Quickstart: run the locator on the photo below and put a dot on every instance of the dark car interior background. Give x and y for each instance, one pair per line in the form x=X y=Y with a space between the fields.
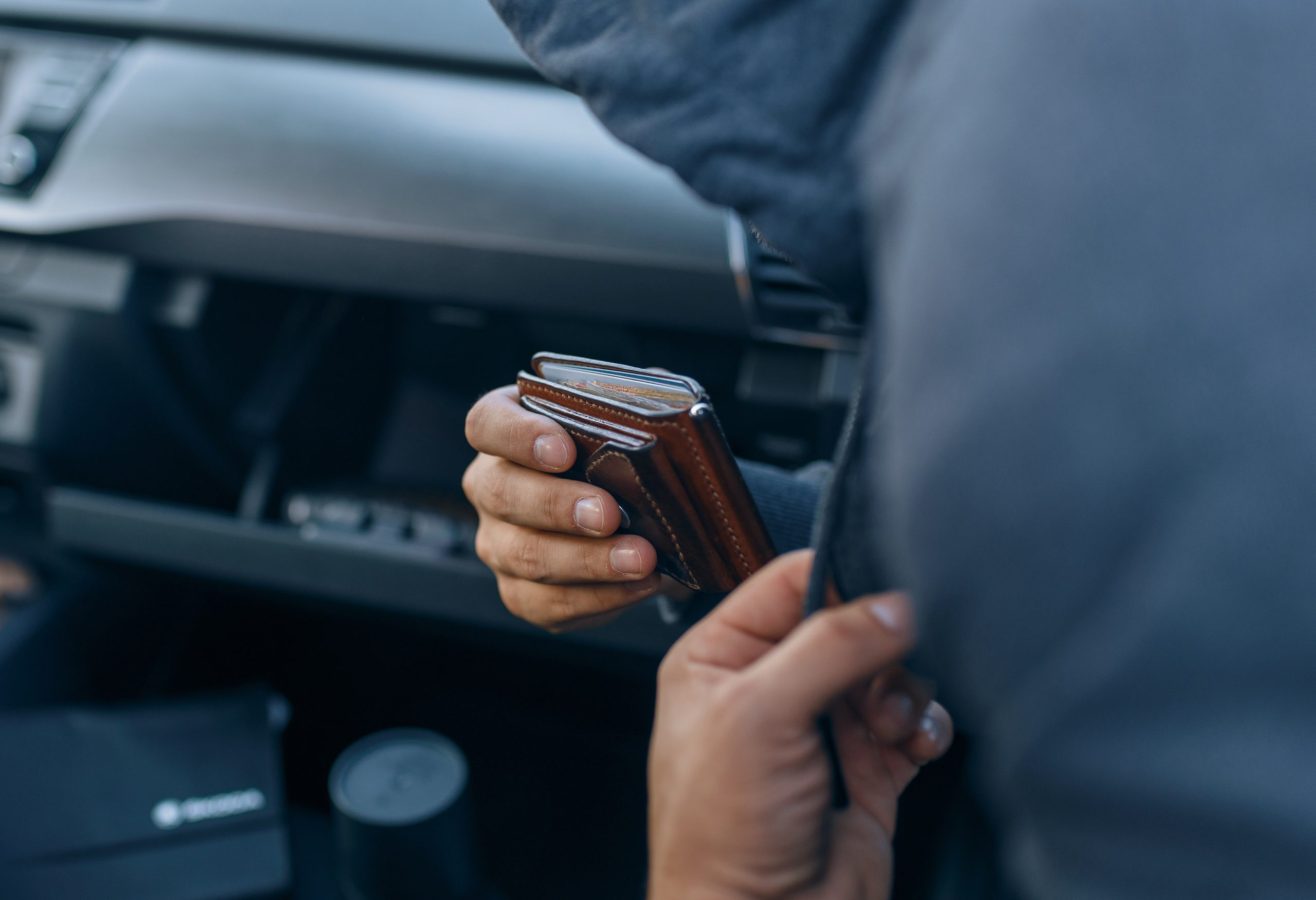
x=256 y=261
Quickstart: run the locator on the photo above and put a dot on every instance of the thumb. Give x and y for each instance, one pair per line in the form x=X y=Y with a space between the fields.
x=833 y=651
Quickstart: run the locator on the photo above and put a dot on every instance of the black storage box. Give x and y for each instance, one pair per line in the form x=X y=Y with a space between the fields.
x=169 y=801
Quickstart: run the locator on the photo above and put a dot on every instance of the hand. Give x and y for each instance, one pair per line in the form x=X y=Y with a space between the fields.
x=548 y=540
x=739 y=787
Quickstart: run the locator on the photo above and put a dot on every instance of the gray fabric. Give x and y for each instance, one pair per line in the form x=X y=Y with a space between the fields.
x=729 y=116
x=1091 y=227
x=786 y=500
x=1095 y=224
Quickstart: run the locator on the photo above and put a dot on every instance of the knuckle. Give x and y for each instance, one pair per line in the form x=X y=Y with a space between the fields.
x=555 y=507
x=529 y=602
x=530 y=611
x=513 y=432
x=561 y=609
x=595 y=565
x=496 y=495
x=475 y=420
x=471 y=480
x=539 y=607
x=508 y=593
x=529 y=554
x=516 y=598
x=484 y=550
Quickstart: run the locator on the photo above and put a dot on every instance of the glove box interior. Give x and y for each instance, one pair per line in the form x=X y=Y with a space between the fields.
x=313 y=444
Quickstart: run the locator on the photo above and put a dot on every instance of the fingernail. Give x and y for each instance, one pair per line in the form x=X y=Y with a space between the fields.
x=588 y=514
x=551 y=451
x=931 y=728
x=886 y=612
x=626 y=560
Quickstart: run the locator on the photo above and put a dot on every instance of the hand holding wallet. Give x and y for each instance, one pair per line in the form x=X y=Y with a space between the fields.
x=653 y=442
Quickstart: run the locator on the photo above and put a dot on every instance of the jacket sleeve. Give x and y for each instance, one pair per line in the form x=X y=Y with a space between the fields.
x=1100 y=431
x=733 y=95
x=786 y=500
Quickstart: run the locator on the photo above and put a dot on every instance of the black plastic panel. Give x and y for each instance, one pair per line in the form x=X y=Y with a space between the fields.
x=214 y=546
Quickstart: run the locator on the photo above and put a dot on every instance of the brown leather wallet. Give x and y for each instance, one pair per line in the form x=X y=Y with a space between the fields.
x=653 y=442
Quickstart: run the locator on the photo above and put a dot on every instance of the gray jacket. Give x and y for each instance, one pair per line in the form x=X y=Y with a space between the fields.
x=1090 y=228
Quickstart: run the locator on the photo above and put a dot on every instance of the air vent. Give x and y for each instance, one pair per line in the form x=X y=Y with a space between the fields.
x=784 y=304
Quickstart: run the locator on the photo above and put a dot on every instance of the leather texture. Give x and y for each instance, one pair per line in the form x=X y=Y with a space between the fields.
x=673 y=475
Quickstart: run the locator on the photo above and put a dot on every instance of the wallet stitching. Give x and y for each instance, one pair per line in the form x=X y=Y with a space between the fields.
x=703 y=470
x=671 y=533
x=583 y=435
x=726 y=520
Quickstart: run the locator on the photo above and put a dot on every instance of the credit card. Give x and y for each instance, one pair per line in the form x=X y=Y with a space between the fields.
x=645 y=391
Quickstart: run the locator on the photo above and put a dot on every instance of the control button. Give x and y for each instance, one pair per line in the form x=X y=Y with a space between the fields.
x=22 y=373
x=341 y=514
x=15 y=257
x=300 y=509
x=18 y=160
x=389 y=521
x=331 y=513
x=53 y=106
x=57 y=96
x=436 y=531
x=74 y=71
x=48 y=118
